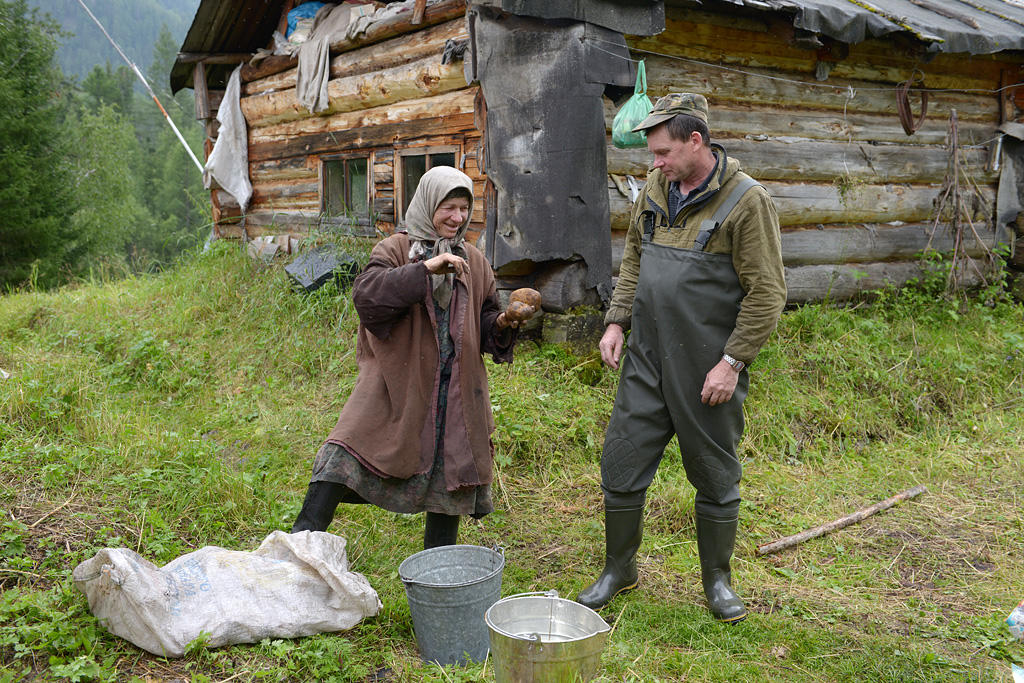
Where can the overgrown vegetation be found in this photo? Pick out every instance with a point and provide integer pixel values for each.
(170, 412)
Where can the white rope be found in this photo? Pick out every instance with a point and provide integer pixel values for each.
(145, 83)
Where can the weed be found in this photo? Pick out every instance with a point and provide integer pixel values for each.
(183, 409)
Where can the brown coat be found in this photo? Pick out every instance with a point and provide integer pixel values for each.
(388, 422)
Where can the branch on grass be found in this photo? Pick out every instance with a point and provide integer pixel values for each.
(863, 513)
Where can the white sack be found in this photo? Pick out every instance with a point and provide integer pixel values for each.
(292, 585)
(229, 160)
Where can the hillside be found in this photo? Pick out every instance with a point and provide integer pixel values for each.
(134, 24)
(172, 412)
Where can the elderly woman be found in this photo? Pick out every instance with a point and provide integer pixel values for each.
(415, 435)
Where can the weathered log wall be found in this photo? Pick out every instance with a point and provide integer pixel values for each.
(388, 92)
(856, 194)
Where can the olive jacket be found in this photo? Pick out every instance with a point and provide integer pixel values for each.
(750, 233)
(389, 420)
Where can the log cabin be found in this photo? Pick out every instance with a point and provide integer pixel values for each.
(883, 129)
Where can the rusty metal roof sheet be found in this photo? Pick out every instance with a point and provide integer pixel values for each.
(960, 26)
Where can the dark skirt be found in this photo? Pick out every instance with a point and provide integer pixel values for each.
(421, 492)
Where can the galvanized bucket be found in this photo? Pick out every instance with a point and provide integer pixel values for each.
(449, 589)
(541, 638)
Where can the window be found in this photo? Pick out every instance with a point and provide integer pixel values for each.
(417, 161)
(345, 191)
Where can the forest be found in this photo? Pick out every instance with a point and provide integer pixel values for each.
(91, 175)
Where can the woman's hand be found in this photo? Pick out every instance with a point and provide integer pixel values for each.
(516, 313)
(447, 263)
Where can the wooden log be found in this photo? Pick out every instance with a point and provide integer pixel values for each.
(202, 93)
(806, 160)
(838, 244)
(446, 104)
(705, 37)
(562, 286)
(279, 170)
(861, 243)
(422, 78)
(810, 203)
(835, 126)
(842, 522)
(843, 282)
(762, 87)
(376, 32)
(214, 57)
(401, 50)
(357, 138)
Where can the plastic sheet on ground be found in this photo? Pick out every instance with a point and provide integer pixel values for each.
(293, 585)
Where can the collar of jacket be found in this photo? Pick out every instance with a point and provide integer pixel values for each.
(657, 184)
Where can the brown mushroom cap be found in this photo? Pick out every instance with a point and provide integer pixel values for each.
(530, 297)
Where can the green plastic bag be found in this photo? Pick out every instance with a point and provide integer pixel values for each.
(632, 113)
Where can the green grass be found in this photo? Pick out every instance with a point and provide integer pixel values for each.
(172, 412)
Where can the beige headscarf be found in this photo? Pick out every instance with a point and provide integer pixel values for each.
(433, 188)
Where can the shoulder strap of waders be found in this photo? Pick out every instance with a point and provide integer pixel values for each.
(708, 226)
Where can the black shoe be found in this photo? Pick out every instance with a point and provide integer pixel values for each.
(624, 529)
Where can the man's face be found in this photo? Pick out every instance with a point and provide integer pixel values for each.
(677, 159)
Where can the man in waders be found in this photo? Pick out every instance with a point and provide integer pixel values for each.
(702, 286)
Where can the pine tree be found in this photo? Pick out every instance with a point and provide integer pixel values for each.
(35, 191)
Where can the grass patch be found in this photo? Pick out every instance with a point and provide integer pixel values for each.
(172, 412)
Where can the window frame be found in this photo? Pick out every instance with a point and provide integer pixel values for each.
(423, 150)
(359, 225)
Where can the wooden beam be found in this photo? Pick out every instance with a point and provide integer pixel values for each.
(383, 55)
(448, 104)
(393, 26)
(837, 243)
(419, 79)
(379, 136)
(202, 93)
(795, 159)
(214, 57)
(417, 12)
(811, 203)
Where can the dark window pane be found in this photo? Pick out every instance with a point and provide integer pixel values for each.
(334, 187)
(413, 168)
(358, 200)
(445, 159)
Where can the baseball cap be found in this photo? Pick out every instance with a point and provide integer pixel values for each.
(673, 104)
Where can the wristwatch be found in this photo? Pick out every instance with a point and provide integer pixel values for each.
(737, 365)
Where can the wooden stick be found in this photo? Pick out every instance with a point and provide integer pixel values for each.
(863, 513)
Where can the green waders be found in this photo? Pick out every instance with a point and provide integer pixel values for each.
(684, 310)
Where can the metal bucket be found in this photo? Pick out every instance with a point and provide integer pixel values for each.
(541, 638)
(449, 589)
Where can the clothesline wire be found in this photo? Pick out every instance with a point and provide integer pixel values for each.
(722, 67)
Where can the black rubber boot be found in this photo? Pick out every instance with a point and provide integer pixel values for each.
(716, 539)
(322, 498)
(440, 530)
(623, 530)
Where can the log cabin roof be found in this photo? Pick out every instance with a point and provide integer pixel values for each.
(225, 30)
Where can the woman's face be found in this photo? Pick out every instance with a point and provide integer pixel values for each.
(450, 215)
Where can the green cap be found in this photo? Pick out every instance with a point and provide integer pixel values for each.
(673, 104)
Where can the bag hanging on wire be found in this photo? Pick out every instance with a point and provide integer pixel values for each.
(632, 113)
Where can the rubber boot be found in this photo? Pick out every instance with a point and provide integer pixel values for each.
(440, 530)
(623, 530)
(322, 498)
(716, 539)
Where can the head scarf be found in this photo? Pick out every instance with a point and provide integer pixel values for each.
(434, 186)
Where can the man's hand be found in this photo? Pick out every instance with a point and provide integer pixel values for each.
(720, 384)
(611, 345)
